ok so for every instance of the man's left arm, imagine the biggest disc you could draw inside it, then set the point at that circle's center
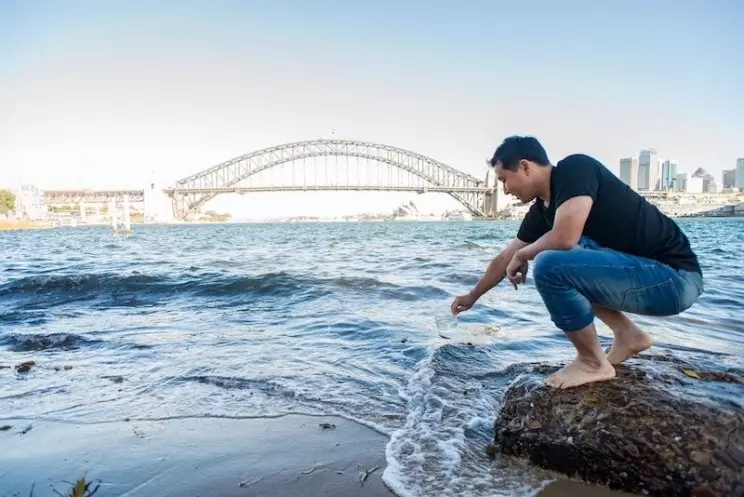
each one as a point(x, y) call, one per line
point(568, 226)
point(567, 229)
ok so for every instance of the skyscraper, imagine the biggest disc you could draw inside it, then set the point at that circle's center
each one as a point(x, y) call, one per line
point(729, 178)
point(682, 182)
point(708, 182)
point(629, 172)
point(740, 174)
point(668, 175)
point(648, 170)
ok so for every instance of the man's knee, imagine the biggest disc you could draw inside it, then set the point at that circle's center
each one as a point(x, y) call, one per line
point(545, 265)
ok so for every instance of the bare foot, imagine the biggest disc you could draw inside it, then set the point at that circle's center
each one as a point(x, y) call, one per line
point(629, 339)
point(580, 372)
point(626, 345)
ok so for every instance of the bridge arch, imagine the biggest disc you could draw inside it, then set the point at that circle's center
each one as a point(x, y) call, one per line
point(192, 192)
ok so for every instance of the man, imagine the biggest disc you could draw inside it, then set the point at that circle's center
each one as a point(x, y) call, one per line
point(598, 248)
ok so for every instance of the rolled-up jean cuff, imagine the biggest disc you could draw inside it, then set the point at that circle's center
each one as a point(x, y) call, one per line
point(577, 324)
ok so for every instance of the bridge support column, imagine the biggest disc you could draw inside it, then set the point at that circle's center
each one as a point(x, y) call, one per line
point(176, 207)
point(127, 219)
point(112, 214)
point(490, 204)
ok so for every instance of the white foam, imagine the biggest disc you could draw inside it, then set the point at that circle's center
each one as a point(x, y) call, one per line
point(440, 449)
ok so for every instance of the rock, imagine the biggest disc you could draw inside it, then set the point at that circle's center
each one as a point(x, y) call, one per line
point(655, 429)
point(25, 367)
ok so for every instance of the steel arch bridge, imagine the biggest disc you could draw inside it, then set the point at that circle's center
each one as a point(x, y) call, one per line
point(396, 169)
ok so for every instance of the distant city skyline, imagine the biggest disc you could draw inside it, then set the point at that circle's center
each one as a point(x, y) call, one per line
point(649, 171)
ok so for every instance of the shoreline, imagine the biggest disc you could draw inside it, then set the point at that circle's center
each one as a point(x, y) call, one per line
point(281, 456)
point(15, 225)
point(289, 455)
point(29, 226)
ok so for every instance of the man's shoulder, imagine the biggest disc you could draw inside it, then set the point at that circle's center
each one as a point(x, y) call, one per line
point(579, 161)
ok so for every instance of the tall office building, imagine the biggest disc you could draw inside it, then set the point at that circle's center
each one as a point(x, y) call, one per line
point(629, 172)
point(708, 182)
point(739, 174)
point(682, 182)
point(695, 184)
point(668, 175)
point(648, 170)
point(729, 178)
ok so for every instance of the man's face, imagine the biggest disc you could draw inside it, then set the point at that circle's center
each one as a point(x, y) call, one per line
point(517, 183)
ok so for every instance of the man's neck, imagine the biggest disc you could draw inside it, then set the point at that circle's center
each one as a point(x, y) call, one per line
point(544, 193)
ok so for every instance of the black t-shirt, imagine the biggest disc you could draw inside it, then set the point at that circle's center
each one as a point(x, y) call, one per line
point(620, 219)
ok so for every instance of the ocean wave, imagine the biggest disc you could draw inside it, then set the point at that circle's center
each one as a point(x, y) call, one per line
point(440, 450)
point(132, 290)
point(470, 245)
point(76, 284)
point(30, 343)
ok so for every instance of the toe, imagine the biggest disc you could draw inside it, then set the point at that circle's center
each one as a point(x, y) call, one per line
point(556, 380)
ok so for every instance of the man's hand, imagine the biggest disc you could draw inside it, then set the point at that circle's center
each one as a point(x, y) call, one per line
point(517, 269)
point(463, 303)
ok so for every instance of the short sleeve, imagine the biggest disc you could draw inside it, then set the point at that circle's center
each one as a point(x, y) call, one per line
point(533, 225)
point(579, 176)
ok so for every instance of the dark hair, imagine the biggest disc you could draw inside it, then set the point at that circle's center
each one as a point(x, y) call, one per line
point(515, 148)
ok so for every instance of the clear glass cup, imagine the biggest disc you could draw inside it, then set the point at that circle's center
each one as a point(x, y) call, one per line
point(446, 324)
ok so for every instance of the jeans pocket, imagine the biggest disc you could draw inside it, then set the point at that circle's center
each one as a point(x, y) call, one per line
point(660, 299)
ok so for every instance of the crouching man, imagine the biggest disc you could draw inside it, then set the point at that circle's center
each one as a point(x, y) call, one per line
point(598, 249)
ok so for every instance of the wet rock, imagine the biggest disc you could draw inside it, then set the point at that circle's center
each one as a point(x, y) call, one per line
point(656, 429)
point(25, 367)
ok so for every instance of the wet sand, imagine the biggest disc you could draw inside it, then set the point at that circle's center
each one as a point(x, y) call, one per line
point(287, 456)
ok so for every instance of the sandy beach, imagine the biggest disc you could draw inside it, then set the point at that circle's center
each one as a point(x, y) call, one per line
point(293, 455)
point(14, 224)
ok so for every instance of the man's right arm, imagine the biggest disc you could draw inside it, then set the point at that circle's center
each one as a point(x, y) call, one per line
point(496, 270)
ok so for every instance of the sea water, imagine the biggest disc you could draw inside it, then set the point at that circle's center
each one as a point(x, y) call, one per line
point(351, 319)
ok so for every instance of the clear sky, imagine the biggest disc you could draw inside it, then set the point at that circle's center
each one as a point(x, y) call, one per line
point(106, 94)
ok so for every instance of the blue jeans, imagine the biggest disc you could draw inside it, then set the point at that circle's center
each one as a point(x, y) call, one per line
point(570, 281)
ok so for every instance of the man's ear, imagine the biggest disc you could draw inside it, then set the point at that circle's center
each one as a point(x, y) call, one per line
point(524, 165)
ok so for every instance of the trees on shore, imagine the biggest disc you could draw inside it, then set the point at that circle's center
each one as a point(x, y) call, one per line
point(7, 201)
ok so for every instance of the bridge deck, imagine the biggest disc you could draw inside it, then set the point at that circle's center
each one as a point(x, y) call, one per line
point(303, 188)
point(59, 197)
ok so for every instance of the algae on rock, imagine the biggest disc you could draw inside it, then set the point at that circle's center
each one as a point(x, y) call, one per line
point(654, 429)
